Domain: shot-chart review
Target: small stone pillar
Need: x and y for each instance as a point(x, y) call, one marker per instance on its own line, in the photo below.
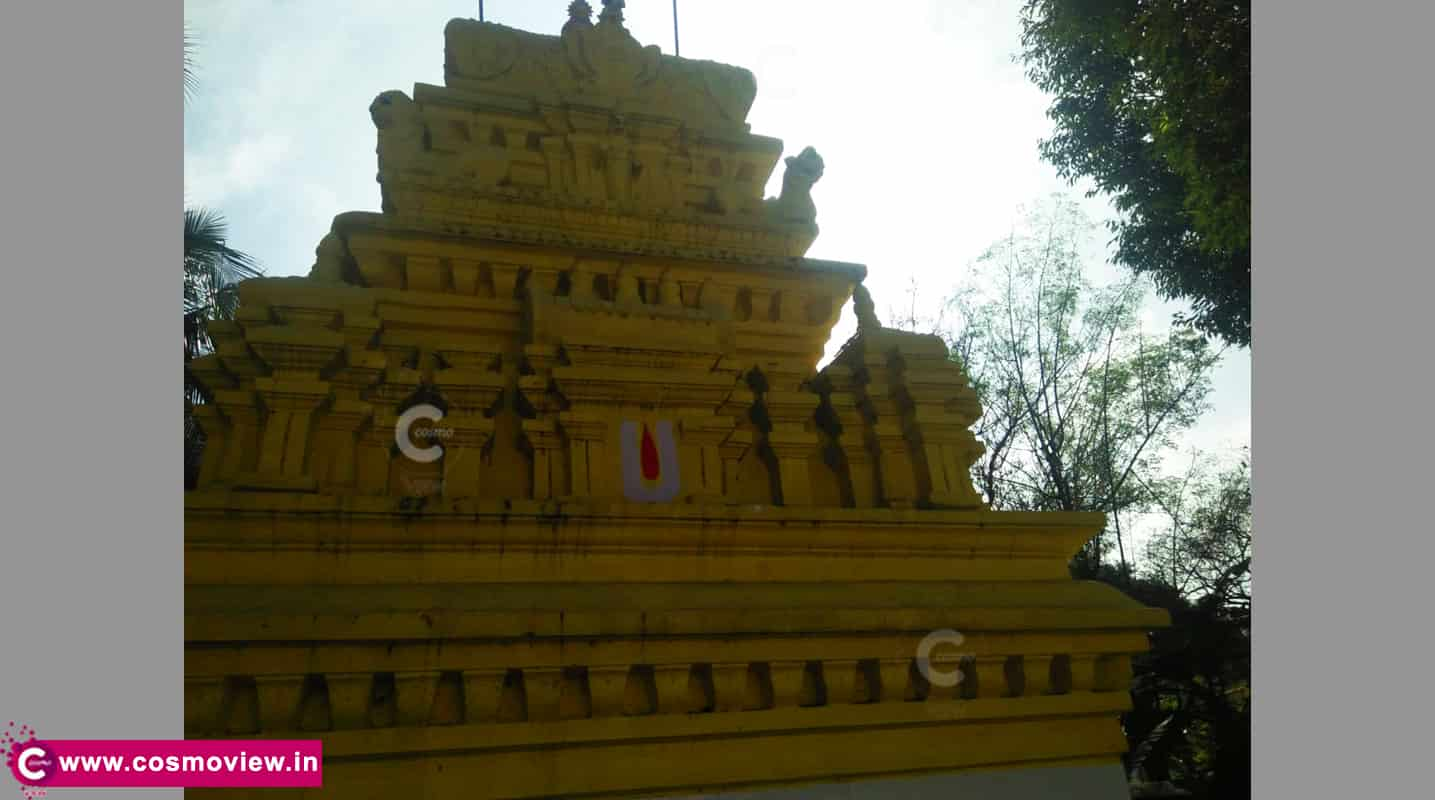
point(335, 464)
point(217, 432)
point(470, 392)
point(793, 439)
point(700, 456)
point(867, 358)
point(592, 466)
point(241, 446)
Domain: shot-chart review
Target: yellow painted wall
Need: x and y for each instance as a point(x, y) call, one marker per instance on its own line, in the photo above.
point(574, 240)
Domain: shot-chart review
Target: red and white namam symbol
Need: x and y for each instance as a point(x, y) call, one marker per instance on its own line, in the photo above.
point(650, 462)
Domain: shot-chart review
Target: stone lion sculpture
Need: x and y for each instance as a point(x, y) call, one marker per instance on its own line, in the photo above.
point(795, 203)
point(401, 130)
point(401, 136)
point(329, 260)
point(404, 147)
point(865, 309)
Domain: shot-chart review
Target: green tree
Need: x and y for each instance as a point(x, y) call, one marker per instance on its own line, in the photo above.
point(1152, 104)
point(1207, 552)
point(212, 271)
point(1190, 722)
point(1082, 410)
point(1080, 405)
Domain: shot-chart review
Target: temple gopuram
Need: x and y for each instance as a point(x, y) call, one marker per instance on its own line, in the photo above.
point(531, 487)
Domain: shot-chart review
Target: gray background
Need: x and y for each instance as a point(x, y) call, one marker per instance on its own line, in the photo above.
point(91, 566)
point(90, 562)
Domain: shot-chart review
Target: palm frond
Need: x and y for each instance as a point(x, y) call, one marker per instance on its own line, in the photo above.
point(226, 302)
point(212, 271)
point(206, 254)
point(191, 79)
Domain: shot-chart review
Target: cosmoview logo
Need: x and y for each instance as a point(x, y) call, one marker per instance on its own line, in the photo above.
point(404, 434)
point(31, 761)
point(39, 766)
point(941, 677)
point(35, 763)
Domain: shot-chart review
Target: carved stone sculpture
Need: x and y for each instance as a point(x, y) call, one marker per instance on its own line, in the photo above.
point(580, 14)
point(401, 130)
point(401, 135)
point(329, 259)
point(795, 203)
point(612, 11)
point(865, 309)
point(404, 147)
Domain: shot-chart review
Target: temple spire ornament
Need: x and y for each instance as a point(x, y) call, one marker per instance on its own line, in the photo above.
point(865, 309)
point(612, 12)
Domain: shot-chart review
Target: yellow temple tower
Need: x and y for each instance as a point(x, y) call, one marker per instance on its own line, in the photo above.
point(531, 487)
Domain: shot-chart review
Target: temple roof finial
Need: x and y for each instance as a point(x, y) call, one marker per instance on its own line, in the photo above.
point(612, 11)
point(865, 309)
point(579, 11)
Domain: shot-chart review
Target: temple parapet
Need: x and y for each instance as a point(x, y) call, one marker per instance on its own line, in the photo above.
point(591, 137)
point(539, 361)
point(596, 66)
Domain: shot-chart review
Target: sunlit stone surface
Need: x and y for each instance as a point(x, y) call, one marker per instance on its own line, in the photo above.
point(531, 487)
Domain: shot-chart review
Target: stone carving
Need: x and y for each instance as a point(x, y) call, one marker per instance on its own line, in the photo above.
point(606, 58)
point(580, 14)
point(404, 146)
point(485, 165)
point(608, 126)
point(731, 90)
point(599, 66)
point(612, 11)
point(401, 136)
point(795, 203)
point(329, 260)
point(401, 130)
point(865, 309)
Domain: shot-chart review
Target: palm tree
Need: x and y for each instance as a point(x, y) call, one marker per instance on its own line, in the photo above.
point(212, 272)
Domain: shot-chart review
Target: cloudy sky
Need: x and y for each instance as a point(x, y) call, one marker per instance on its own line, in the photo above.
point(928, 128)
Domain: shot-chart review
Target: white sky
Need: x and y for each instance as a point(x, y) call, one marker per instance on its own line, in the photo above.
point(927, 126)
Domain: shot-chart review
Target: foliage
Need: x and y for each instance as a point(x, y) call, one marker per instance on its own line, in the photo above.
point(211, 271)
point(1190, 721)
point(191, 79)
point(1152, 103)
point(1208, 550)
point(1080, 404)
point(1081, 409)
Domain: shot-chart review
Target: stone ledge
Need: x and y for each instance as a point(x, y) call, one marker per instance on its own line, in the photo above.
point(549, 512)
point(686, 765)
point(340, 745)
